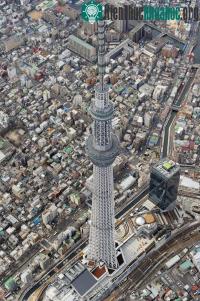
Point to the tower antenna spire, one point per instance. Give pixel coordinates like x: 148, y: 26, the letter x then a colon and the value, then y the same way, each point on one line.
x: 101, y: 52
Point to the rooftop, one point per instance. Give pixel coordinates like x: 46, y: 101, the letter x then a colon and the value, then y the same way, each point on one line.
x: 186, y: 265
x: 99, y: 271
x: 83, y: 43
x: 84, y: 282
x: 166, y: 167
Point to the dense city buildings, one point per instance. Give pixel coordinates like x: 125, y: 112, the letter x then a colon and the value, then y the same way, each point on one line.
x: 49, y: 79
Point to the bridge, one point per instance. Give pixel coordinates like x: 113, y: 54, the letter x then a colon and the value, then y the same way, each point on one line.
x: 175, y: 107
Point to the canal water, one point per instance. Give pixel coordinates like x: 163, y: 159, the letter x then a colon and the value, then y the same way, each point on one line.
x: 197, y: 49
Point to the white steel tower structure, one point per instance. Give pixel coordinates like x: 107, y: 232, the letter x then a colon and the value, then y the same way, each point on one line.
x: 102, y: 147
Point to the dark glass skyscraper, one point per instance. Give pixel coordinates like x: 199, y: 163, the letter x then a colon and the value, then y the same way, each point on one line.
x: 164, y: 182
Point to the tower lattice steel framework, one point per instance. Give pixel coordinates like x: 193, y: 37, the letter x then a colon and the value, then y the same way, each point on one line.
x: 102, y: 147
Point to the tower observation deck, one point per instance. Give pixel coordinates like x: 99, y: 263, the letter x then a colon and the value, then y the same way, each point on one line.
x: 102, y: 147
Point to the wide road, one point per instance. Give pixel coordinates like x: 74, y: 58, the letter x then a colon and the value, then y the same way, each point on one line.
x: 167, y: 133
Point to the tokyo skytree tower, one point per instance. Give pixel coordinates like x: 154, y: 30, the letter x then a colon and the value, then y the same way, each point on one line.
x: 102, y: 147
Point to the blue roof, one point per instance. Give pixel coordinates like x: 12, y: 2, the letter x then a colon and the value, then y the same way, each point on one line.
x: 37, y: 220
x: 84, y: 282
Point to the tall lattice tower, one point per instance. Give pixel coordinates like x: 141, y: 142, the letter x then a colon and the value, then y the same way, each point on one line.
x: 102, y: 147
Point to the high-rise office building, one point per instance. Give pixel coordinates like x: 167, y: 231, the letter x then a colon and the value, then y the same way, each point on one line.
x: 164, y: 182
x: 102, y: 148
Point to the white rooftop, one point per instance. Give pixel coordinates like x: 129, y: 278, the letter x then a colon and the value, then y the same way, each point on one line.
x: 2, y: 156
x: 189, y: 183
